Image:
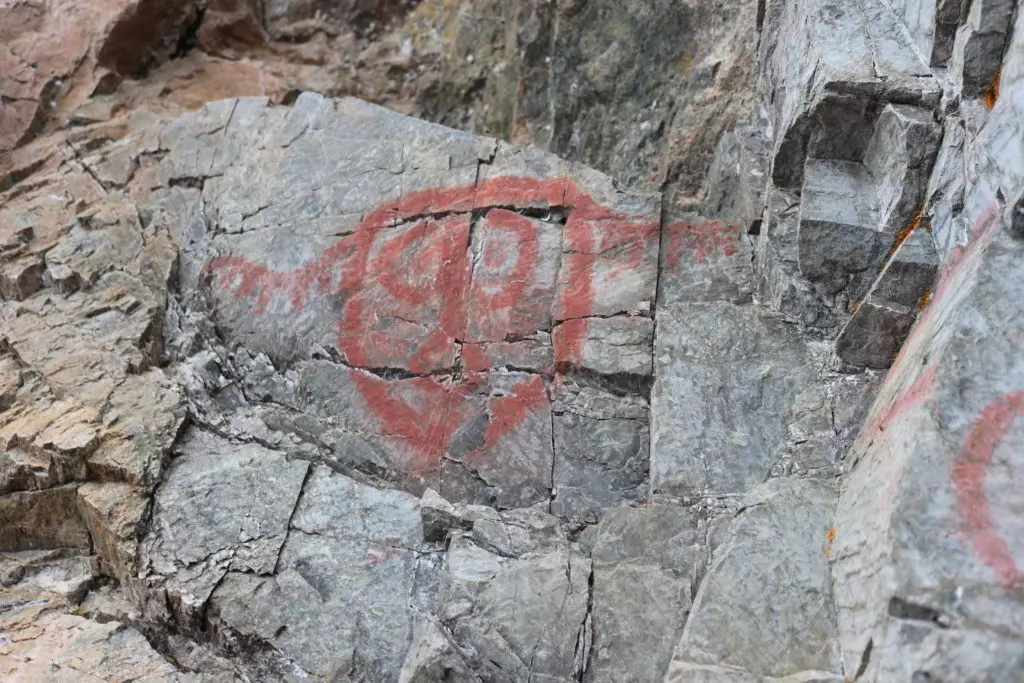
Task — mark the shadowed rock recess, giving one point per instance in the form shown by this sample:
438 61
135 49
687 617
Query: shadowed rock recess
294 386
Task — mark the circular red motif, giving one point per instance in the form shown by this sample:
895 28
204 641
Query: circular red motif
969 474
418 275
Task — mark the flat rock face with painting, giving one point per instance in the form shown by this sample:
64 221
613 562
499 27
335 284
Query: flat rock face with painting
296 387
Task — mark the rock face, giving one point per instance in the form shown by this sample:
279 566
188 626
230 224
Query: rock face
296 386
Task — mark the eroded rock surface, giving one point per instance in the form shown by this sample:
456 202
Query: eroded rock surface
296 387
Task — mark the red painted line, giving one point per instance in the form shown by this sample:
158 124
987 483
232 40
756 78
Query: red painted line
910 397
969 474
394 278
984 225
703 239
508 412
567 341
495 297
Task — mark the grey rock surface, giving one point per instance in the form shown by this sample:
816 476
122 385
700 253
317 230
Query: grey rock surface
777 552
647 562
719 363
318 390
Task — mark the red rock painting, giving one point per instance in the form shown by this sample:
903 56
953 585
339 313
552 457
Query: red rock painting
423 295
701 239
970 473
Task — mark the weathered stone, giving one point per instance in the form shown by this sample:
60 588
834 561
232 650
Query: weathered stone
439 517
433 657
549 73
53 56
515 533
647 561
780 286
734 190
841 231
932 24
610 346
507 247
880 323
42 643
827 107
114 513
598 463
909 275
42 519
230 26
536 634
502 455
194 543
451 257
717 365
936 459
1015 218
351 308
338 600
875 333
765 606
68 574
979 46
900 157
703 260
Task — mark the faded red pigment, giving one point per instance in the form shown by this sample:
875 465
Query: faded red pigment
497 299
507 412
910 397
703 239
418 273
428 428
984 225
969 474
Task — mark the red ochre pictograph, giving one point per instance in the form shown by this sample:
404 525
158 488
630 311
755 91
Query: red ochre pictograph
984 225
911 396
408 261
969 474
703 239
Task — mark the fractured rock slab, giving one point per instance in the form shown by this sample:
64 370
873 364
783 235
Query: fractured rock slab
45 643
876 331
525 617
647 563
203 531
449 279
980 44
337 602
765 606
601 451
726 382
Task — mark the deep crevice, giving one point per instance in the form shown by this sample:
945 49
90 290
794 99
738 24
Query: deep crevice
904 609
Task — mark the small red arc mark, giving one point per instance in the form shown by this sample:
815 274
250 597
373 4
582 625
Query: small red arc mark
969 475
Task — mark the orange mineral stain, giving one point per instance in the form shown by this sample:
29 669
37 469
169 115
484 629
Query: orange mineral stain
992 92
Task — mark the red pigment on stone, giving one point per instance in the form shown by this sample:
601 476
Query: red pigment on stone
494 298
703 239
475 358
910 397
508 412
984 226
969 474
428 428
433 251
421 269
565 339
